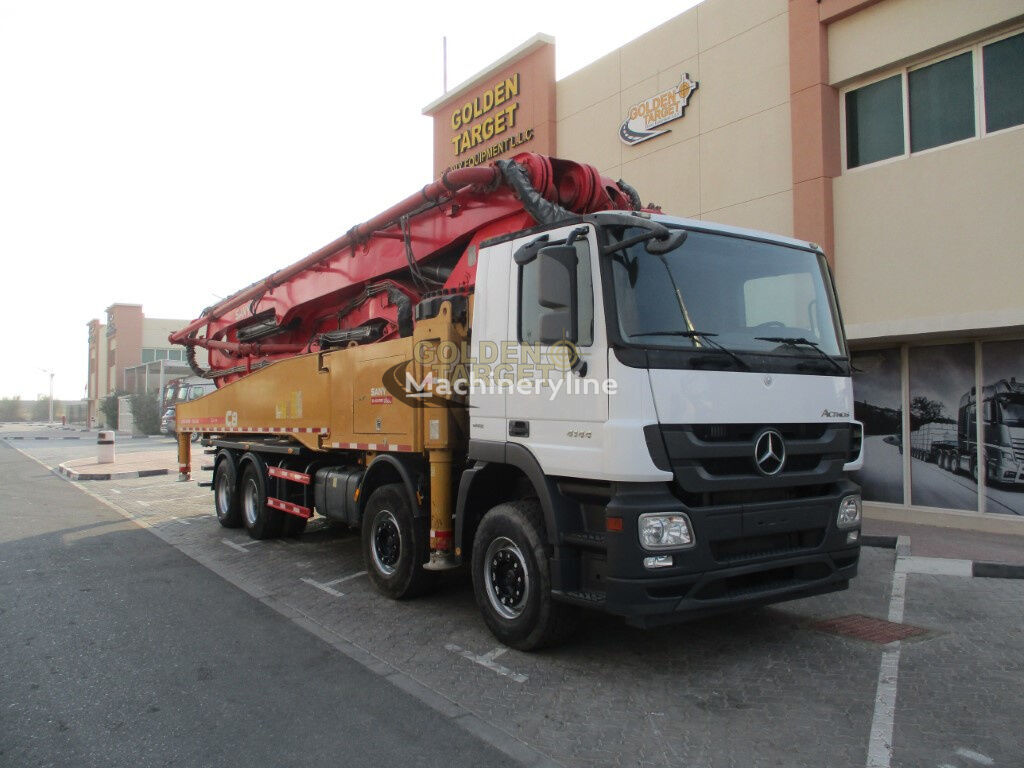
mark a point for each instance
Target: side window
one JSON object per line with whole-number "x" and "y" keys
{"x": 532, "y": 312}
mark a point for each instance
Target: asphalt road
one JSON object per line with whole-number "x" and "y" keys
{"x": 757, "y": 689}
{"x": 117, "y": 649}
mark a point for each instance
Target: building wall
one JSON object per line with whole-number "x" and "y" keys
{"x": 903, "y": 29}
{"x": 97, "y": 368}
{"x": 728, "y": 158}
{"x": 928, "y": 243}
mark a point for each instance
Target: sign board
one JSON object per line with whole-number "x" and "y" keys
{"x": 644, "y": 118}
{"x": 506, "y": 109}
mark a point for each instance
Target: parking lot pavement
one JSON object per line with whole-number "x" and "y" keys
{"x": 763, "y": 688}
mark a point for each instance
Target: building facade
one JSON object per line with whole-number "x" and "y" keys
{"x": 126, "y": 340}
{"x": 891, "y": 132}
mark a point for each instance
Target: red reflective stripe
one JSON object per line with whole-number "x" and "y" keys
{"x": 291, "y": 509}
{"x": 287, "y": 474}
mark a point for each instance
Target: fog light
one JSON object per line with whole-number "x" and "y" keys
{"x": 658, "y": 561}
{"x": 665, "y": 530}
{"x": 852, "y": 537}
{"x": 849, "y": 512}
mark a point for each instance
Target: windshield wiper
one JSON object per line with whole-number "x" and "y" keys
{"x": 800, "y": 341}
{"x": 706, "y": 337}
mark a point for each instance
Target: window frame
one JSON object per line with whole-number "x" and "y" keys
{"x": 980, "y": 117}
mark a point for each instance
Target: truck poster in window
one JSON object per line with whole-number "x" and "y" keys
{"x": 942, "y": 427}
{"x": 876, "y": 395}
{"x": 1002, "y": 412}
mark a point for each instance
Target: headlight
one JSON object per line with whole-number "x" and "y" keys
{"x": 661, "y": 530}
{"x": 849, "y": 512}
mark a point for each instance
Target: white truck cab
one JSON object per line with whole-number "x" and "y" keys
{"x": 677, "y": 395}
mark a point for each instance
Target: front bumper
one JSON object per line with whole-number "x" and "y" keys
{"x": 745, "y": 554}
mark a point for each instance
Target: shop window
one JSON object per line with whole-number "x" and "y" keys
{"x": 877, "y": 404}
{"x": 1003, "y": 426}
{"x": 943, "y": 441}
{"x": 942, "y": 102}
{"x": 874, "y": 122}
{"x": 1004, "y": 83}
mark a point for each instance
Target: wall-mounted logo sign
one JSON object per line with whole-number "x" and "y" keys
{"x": 644, "y": 118}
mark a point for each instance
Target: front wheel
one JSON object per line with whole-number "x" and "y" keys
{"x": 512, "y": 579}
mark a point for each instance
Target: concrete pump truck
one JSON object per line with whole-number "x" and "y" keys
{"x": 523, "y": 371}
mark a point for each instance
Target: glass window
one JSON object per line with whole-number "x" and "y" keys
{"x": 148, "y": 355}
{"x": 942, "y": 102}
{"x": 877, "y": 403}
{"x": 874, "y": 122}
{"x": 943, "y": 441}
{"x": 1003, "y": 427}
{"x": 531, "y": 312}
{"x": 1004, "y": 83}
{"x": 747, "y": 292}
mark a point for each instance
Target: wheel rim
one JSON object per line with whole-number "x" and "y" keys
{"x": 249, "y": 501}
{"x": 223, "y": 493}
{"x": 386, "y": 542}
{"x": 506, "y": 577}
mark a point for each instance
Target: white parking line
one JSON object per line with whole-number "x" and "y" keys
{"x": 326, "y": 586}
{"x": 936, "y": 566}
{"x": 240, "y": 547}
{"x": 880, "y": 741}
{"x": 975, "y": 757}
{"x": 487, "y": 660}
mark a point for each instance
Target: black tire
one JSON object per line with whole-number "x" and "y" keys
{"x": 396, "y": 544}
{"x": 512, "y": 579}
{"x": 226, "y": 501}
{"x": 261, "y": 521}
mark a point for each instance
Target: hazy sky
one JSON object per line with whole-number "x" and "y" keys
{"x": 167, "y": 154}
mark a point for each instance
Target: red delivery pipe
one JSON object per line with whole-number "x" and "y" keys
{"x": 242, "y": 348}
{"x": 448, "y": 185}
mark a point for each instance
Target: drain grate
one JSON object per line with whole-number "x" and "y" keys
{"x": 868, "y": 628}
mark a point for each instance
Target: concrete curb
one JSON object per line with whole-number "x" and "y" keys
{"x": 983, "y": 570}
{"x": 71, "y": 474}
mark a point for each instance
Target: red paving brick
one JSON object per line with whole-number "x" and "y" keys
{"x": 868, "y": 628}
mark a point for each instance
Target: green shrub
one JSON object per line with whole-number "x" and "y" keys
{"x": 146, "y": 413}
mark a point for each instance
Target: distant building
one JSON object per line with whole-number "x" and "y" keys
{"x": 128, "y": 339}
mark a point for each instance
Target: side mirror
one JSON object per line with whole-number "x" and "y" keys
{"x": 557, "y": 293}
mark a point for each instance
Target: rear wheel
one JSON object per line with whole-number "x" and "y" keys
{"x": 396, "y": 544}
{"x": 261, "y": 521}
{"x": 512, "y": 579}
{"x": 225, "y": 493}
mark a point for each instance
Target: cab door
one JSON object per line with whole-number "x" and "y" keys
{"x": 558, "y": 405}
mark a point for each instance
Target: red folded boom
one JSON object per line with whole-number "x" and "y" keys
{"x": 362, "y": 287}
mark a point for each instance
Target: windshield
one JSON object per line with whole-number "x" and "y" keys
{"x": 735, "y": 288}
{"x": 1011, "y": 410}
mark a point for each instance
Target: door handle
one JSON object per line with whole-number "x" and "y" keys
{"x": 518, "y": 428}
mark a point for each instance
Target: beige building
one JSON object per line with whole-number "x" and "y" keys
{"x": 126, "y": 340}
{"x": 888, "y": 131}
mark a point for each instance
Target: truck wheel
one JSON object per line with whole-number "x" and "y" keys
{"x": 225, "y": 493}
{"x": 512, "y": 579}
{"x": 396, "y": 544}
{"x": 261, "y": 521}
{"x": 974, "y": 471}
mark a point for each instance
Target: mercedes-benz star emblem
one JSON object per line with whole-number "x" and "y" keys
{"x": 769, "y": 452}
